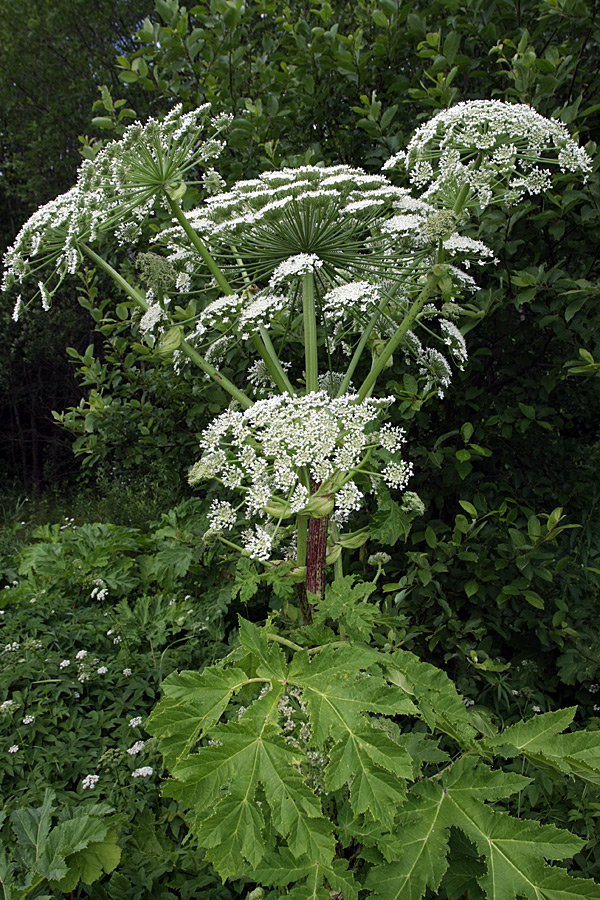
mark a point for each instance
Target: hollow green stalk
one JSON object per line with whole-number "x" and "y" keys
{"x": 265, "y": 349}
{"x": 198, "y": 245}
{"x": 394, "y": 342}
{"x": 263, "y": 346}
{"x": 338, "y": 566}
{"x": 361, "y": 346}
{"x": 184, "y": 347}
{"x": 310, "y": 333}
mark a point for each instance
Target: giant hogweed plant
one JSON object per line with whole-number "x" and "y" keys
{"x": 311, "y": 761}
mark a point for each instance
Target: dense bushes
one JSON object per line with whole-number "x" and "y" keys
{"x": 497, "y": 583}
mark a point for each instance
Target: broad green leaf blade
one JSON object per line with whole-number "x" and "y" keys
{"x": 376, "y": 768}
{"x": 91, "y": 862}
{"x": 272, "y": 661}
{"x": 235, "y": 836}
{"x": 6, "y": 877}
{"x": 539, "y": 739}
{"x": 336, "y": 698}
{"x": 514, "y": 850}
{"x": 202, "y": 775}
{"x": 64, "y": 840}
{"x": 281, "y": 869}
{"x": 231, "y": 825}
{"x": 31, "y": 827}
{"x": 348, "y": 603}
{"x": 194, "y": 702}
{"x": 440, "y": 704}
{"x": 424, "y": 840}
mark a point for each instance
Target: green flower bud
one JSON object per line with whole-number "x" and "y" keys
{"x": 319, "y": 506}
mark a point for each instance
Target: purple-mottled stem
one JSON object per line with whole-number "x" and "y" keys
{"x": 316, "y": 550}
{"x": 315, "y": 556}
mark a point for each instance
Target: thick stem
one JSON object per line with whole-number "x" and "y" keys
{"x": 316, "y": 551}
{"x": 262, "y": 344}
{"x": 361, "y": 346}
{"x": 310, "y": 333}
{"x": 129, "y": 289}
{"x": 338, "y": 566}
{"x": 305, "y": 607}
{"x": 315, "y": 556}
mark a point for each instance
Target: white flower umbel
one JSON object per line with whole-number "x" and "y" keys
{"x": 499, "y": 151}
{"x": 113, "y": 194}
{"x": 300, "y": 264}
{"x": 270, "y": 451}
{"x": 328, "y": 213}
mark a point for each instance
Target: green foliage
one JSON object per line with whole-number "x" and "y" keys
{"x": 497, "y": 583}
{"x": 80, "y": 848}
{"x": 75, "y": 670}
{"x": 290, "y": 764}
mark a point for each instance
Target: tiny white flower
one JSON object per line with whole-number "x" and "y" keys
{"x": 136, "y": 748}
{"x": 65, "y": 663}
{"x": 102, "y": 670}
{"x": 127, "y": 672}
{"x": 81, "y": 654}
{"x": 135, "y": 721}
{"x": 90, "y": 781}
{"x": 14, "y": 748}
{"x": 144, "y": 772}
{"x": 28, "y": 720}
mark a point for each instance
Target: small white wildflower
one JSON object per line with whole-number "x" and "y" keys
{"x": 257, "y": 543}
{"x": 536, "y": 709}
{"x": 135, "y": 721}
{"x": 14, "y": 748}
{"x": 136, "y": 748}
{"x": 102, "y": 670}
{"x": 127, "y": 672}
{"x": 81, "y": 654}
{"x": 6, "y": 706}
{"x": 396, "y": 474}
{"x": 143, "y": 772}
{"x": 90, "y": 781}
{"x": 64, "y": 664}
{"x": 28, "y": 720}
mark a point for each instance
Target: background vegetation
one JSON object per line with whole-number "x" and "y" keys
{"x": 498, "y": 583}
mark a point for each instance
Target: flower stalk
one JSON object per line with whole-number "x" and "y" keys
{"x": 310, "y": 333}
{"x": 184, "y": 346}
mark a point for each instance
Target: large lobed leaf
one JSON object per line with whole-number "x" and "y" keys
{"x": 515, "y": 851}
{"x": 540, "y": 740}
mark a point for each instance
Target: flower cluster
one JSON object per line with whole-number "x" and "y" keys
{"x": 500, "y": 151}
{"x": 283, "y": 446}
{"x": 324, "y": 219}
{"x": 113, "y": 194}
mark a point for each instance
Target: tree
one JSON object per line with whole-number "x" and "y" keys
{"x": 53, "y": 55}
